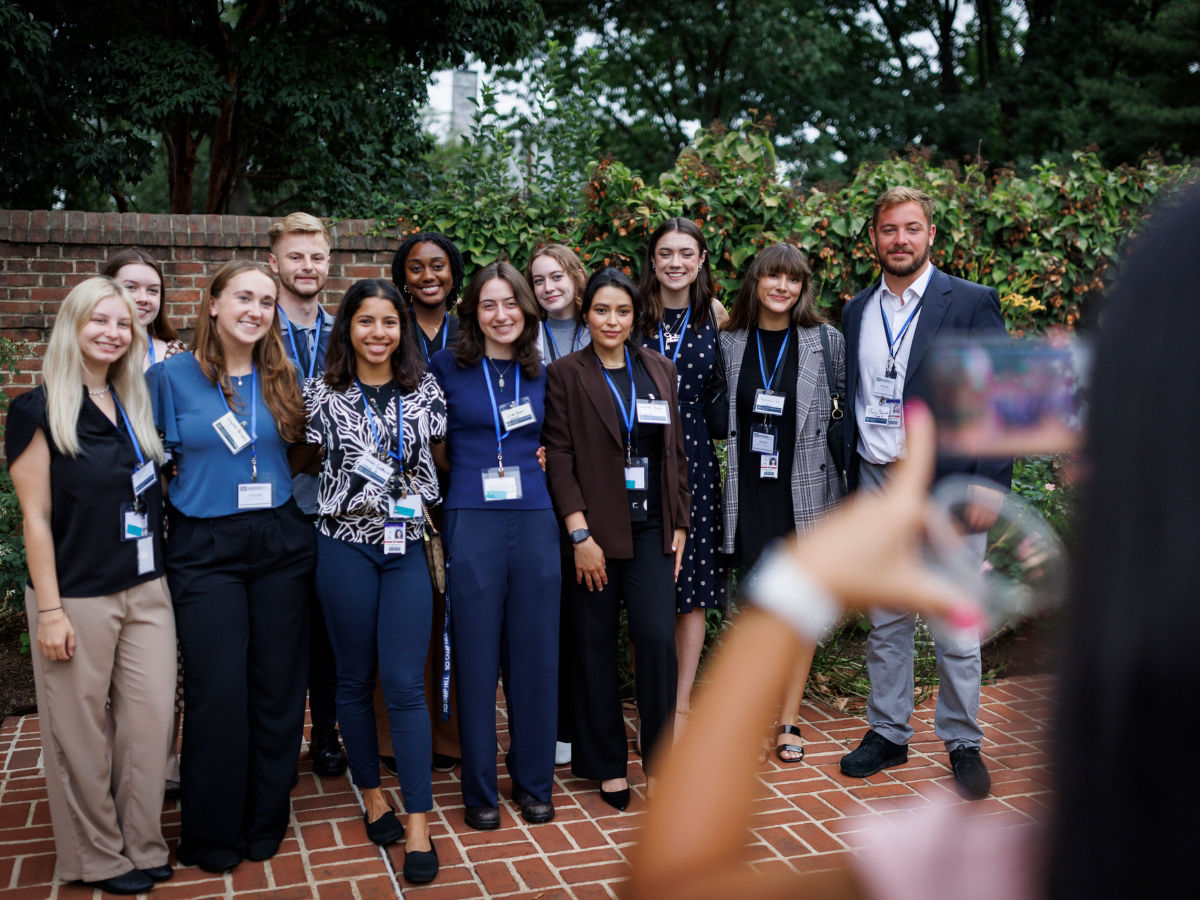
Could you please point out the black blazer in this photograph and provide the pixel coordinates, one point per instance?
(950, 305)
(585, 459)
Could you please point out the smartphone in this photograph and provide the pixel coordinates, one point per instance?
(1003, 397)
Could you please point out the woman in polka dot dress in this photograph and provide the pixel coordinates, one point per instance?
(680, 321)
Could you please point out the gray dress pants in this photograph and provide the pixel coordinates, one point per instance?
(890, 665)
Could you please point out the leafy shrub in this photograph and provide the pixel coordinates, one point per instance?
(12, 541)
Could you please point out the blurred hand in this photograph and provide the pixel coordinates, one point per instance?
(55, 636)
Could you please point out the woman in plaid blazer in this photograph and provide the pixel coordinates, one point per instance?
(780, 475)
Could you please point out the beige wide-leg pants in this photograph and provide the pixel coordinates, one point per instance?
(106, 795)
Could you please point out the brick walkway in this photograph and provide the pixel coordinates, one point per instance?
(809, 814)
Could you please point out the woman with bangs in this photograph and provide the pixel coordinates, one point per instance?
(557, 279)
(83, 454)
(680, 318)
(780, 474)
(140, 274)
(239, 555)
(502, 535)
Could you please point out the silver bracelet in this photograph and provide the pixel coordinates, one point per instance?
(780, 586)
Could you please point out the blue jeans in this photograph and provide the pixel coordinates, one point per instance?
(379, 609)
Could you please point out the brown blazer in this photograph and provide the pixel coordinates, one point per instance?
(585, 459)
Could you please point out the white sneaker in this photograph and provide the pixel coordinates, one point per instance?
(562, 753)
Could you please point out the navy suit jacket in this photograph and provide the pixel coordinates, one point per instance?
(950, 306)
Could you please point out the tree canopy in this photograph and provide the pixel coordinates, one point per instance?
(253, 103)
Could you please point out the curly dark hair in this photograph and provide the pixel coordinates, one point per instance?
(458, 268)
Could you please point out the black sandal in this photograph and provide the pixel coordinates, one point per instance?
(780, 749)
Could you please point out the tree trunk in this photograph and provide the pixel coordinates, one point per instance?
(181, 162)
(223, 170)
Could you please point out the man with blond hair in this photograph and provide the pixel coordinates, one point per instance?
(889, 328)
(300, 250)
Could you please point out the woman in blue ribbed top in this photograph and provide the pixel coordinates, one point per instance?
(503, 571)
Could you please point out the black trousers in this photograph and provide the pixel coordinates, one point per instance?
(322, 666)
(239, 585)
(645, 585)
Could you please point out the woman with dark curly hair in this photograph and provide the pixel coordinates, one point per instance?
(428, 270)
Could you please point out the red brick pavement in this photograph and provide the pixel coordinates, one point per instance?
(808, 815)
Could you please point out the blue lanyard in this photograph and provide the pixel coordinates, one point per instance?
(150, 350)
(128, 429)
(253, 419)
(895, 343)
(627, 414)
(394, 454)
(762, 366)
(312, 362)
(662, 341)
(554, 343)
(425, 341)
(501, 434)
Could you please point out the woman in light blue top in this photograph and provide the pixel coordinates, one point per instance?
(239, 555)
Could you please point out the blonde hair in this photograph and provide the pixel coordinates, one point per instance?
(897, 196)
(62, 369)
(298, 223)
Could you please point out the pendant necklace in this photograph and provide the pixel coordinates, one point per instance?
(500, 382)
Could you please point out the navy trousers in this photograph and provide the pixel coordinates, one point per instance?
(503, 586)
(378, 608)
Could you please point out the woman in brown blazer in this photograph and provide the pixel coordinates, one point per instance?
(618, 477)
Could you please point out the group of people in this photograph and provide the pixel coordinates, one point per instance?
(290, 477)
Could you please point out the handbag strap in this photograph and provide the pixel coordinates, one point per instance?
(424, 506)
(834, 396)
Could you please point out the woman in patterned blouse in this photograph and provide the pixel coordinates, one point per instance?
(374, 413)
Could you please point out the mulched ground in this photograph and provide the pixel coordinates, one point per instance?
(16, 672)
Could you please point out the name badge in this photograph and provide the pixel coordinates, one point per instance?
(394, 538)
(635, 474)
(502, 487)
(254, 495)
(373, 469)
(768, 465)
(886, 414)
(409, 507)
(654, 412)
(145, 554)
(886, 387)
(135, 524)
(769, 403)
(517, 414)
(231, 432)
(762, 439)
(143, 477)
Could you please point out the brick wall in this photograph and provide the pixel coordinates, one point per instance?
(44, 253)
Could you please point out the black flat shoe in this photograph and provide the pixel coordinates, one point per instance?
(444, 762)
(387, 829)
(421, 866)
(618, 800)
(159, 873)
(533, 810)
(214, 861)
(328, 757)
(135, 881)
(482, 818)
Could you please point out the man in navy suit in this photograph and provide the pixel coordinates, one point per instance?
(889, 328)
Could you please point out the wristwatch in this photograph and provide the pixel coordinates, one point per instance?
(579, 535)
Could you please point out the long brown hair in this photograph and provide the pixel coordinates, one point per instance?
(470, 336)
(565, 257)
(280, 387)
(341, 365)
(700, 292)
(778, 259)
(160, 326)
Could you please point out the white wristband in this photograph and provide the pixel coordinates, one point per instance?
(780, 586)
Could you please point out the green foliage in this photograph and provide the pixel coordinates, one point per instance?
(12, 541)
(1045, 483)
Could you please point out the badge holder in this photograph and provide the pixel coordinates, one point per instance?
(135, 526)
(768, 466)
(232, 433)
(373, 469)
(394, 538)
(763, 438)
(252, 495)
(502, 484)
(636, 471)
(653, 412)
(517, 414)
(769, 403)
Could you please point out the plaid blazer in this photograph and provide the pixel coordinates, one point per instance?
(816, 487)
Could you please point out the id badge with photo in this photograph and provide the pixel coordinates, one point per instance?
(769, 403)
(135, 523)
(373, 469)
(143, 477)
(517, 414)
(768, 465)
(409, 507)
(254, 495)
(502, 487)
(231, 432)
(394, 541)
(653, 412)
(762, 439)
(888, 414)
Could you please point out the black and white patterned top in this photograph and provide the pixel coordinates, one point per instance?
(349, 506)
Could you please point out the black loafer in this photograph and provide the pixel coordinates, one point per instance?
(872, 755)
(618, 800)
(482, 818)
(421, 866)
(444, 762)
(387, 829)
(328, 757)
(159, 873)
(970, 774)
(213, 861)
(135, 881)
(533, 810)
